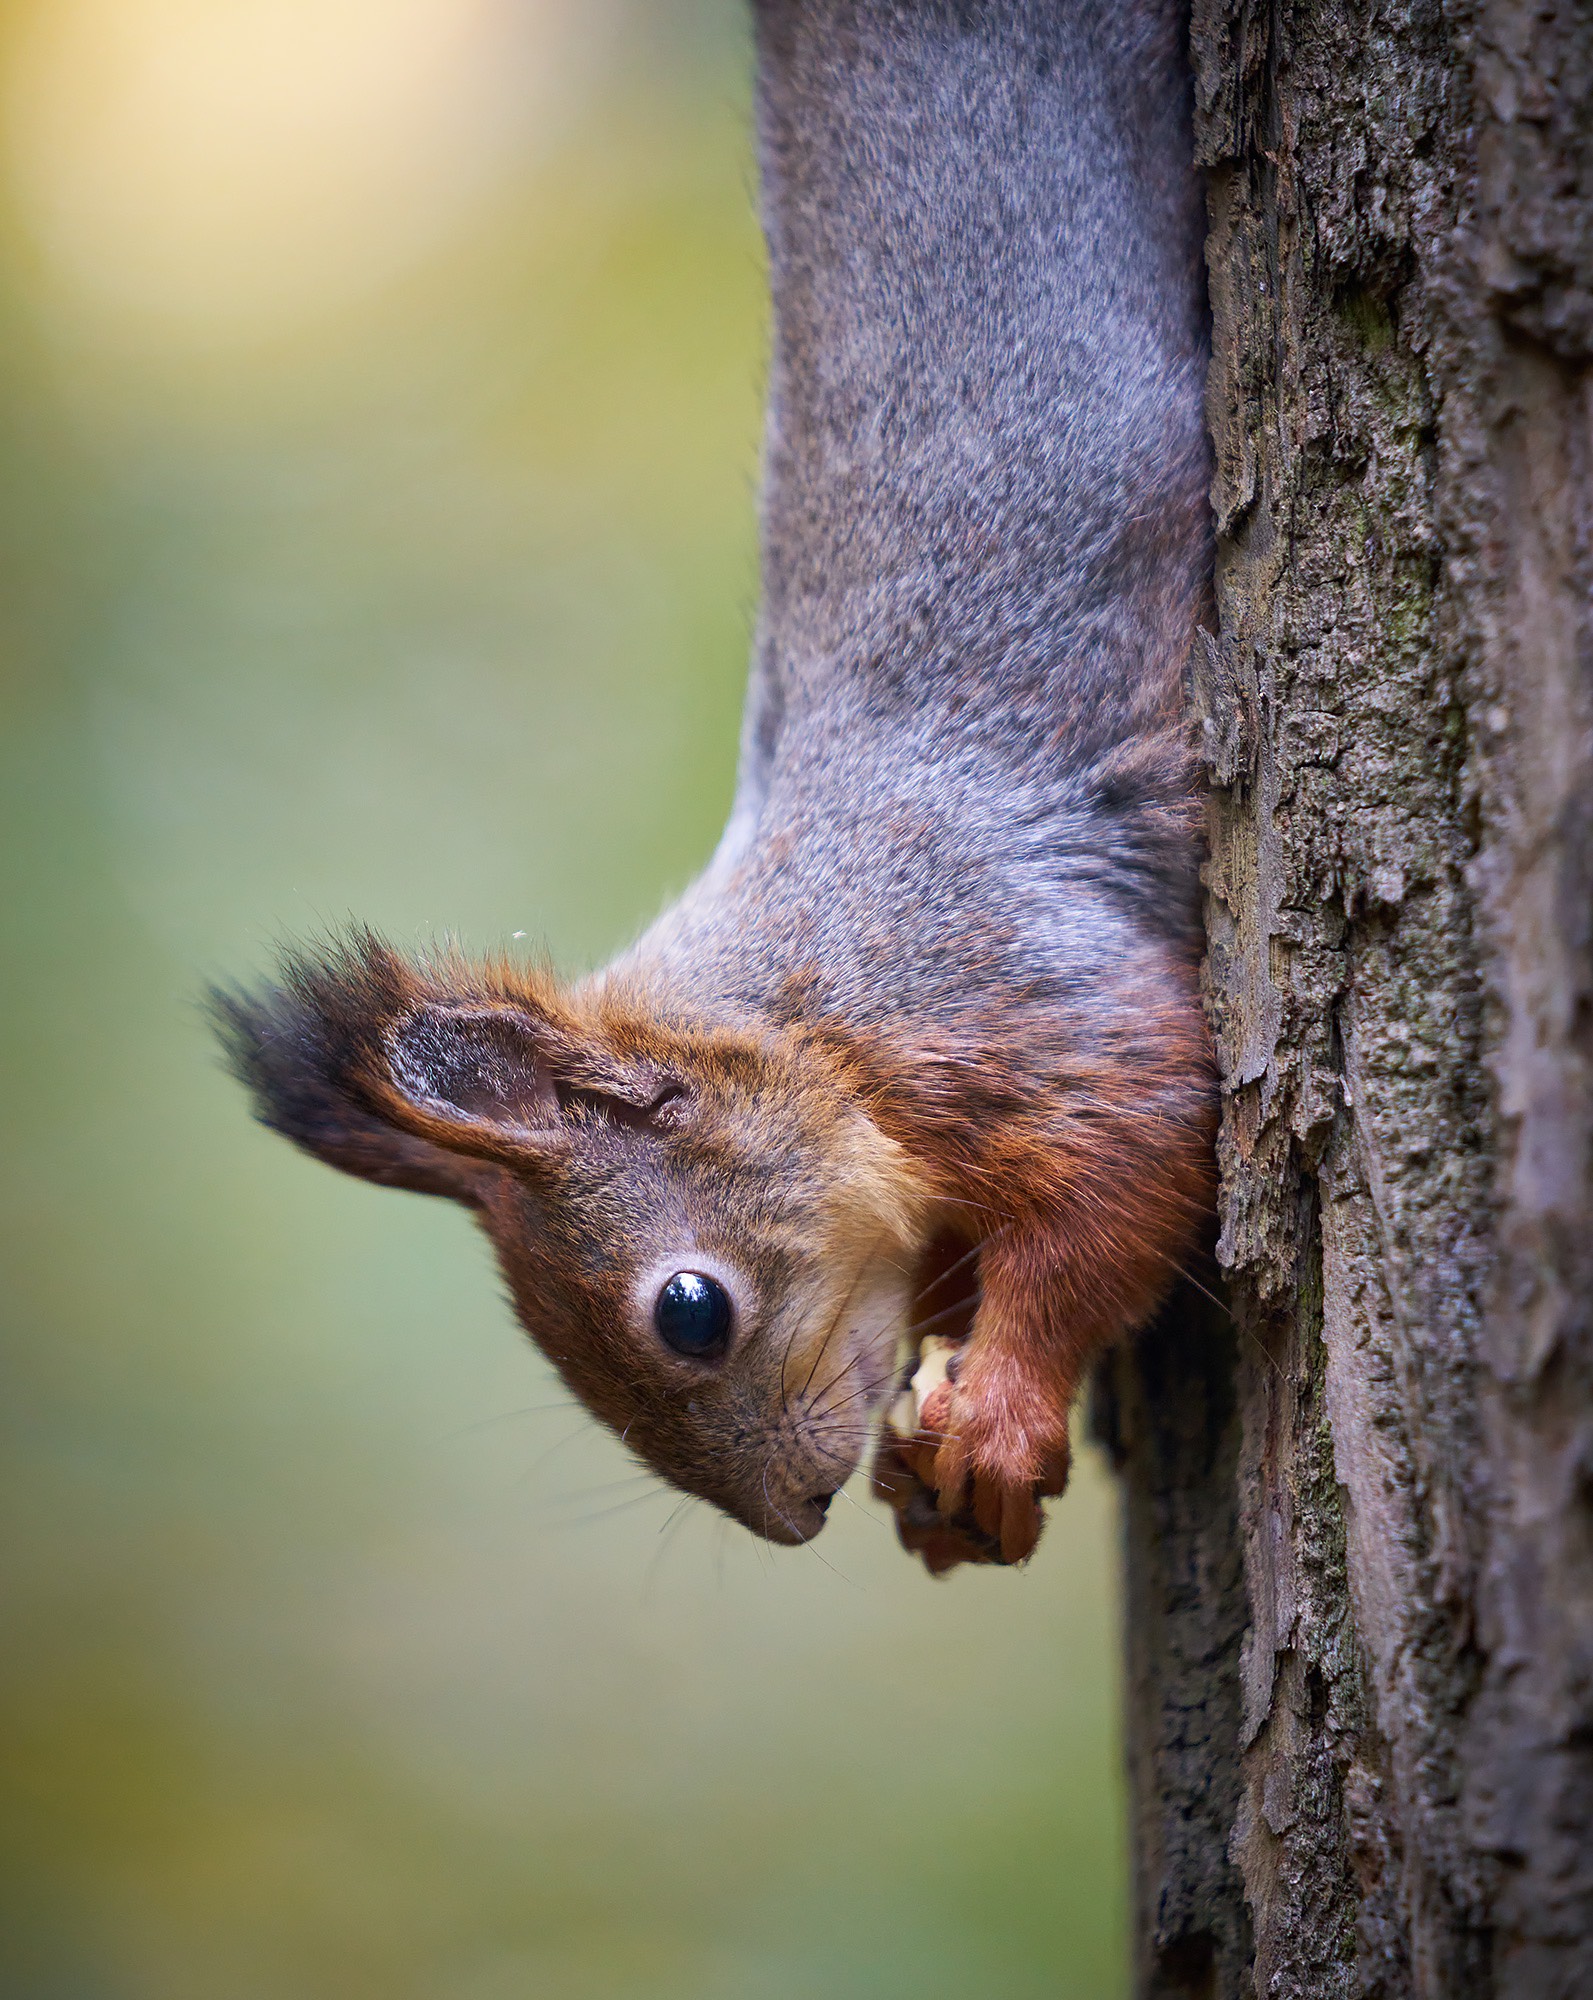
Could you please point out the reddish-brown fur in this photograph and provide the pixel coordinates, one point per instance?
(1085, 1206)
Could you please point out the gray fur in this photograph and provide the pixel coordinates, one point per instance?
(985, 537)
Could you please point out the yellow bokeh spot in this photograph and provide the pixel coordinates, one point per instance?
(225, 169)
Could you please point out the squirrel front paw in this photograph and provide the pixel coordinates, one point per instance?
(1000, 1452)
(964, 1480)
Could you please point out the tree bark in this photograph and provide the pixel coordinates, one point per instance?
(1387, 1788)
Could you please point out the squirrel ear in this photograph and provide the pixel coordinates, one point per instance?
(414, 1076)
(497, 1079)
(483, 1073)
(365, 1061)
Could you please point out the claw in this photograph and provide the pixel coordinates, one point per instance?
(1001, 1526)
(950, 1476)
(952, 1504)
(1021, 1522)
(989, 1505)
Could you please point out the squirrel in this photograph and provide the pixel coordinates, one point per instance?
(918, 1065)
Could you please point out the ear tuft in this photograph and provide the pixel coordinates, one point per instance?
(305, 1047)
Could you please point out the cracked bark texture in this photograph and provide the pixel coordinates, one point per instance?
(1165, 1408)
(1387, 1788)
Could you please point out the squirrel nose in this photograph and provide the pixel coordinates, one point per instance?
(821, 1500)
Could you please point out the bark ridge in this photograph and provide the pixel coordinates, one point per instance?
(1397, 719)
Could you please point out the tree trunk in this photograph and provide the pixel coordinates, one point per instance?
(1385, 1787)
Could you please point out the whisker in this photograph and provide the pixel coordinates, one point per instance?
(868, 1389)
(950, 1271)
(678, 1517)
(919, 1326)
(984, 1208)
(607, 1513)
(546, 1457)
(817, 1358)
(843, 1458)
(1189, 1279)
(829, 1331)
(921, 1434)
(819, 1408)
(875, 1520)
(836, 1380)
(785, 1407)
(507, 1417)
(1227, 1312)
(606, 1486)
(805, 1540)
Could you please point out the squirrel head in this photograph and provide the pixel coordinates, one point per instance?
(700, 1225)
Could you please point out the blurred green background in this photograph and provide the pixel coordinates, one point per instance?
(378, 439)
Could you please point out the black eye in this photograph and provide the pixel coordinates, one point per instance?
(692, 1314)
